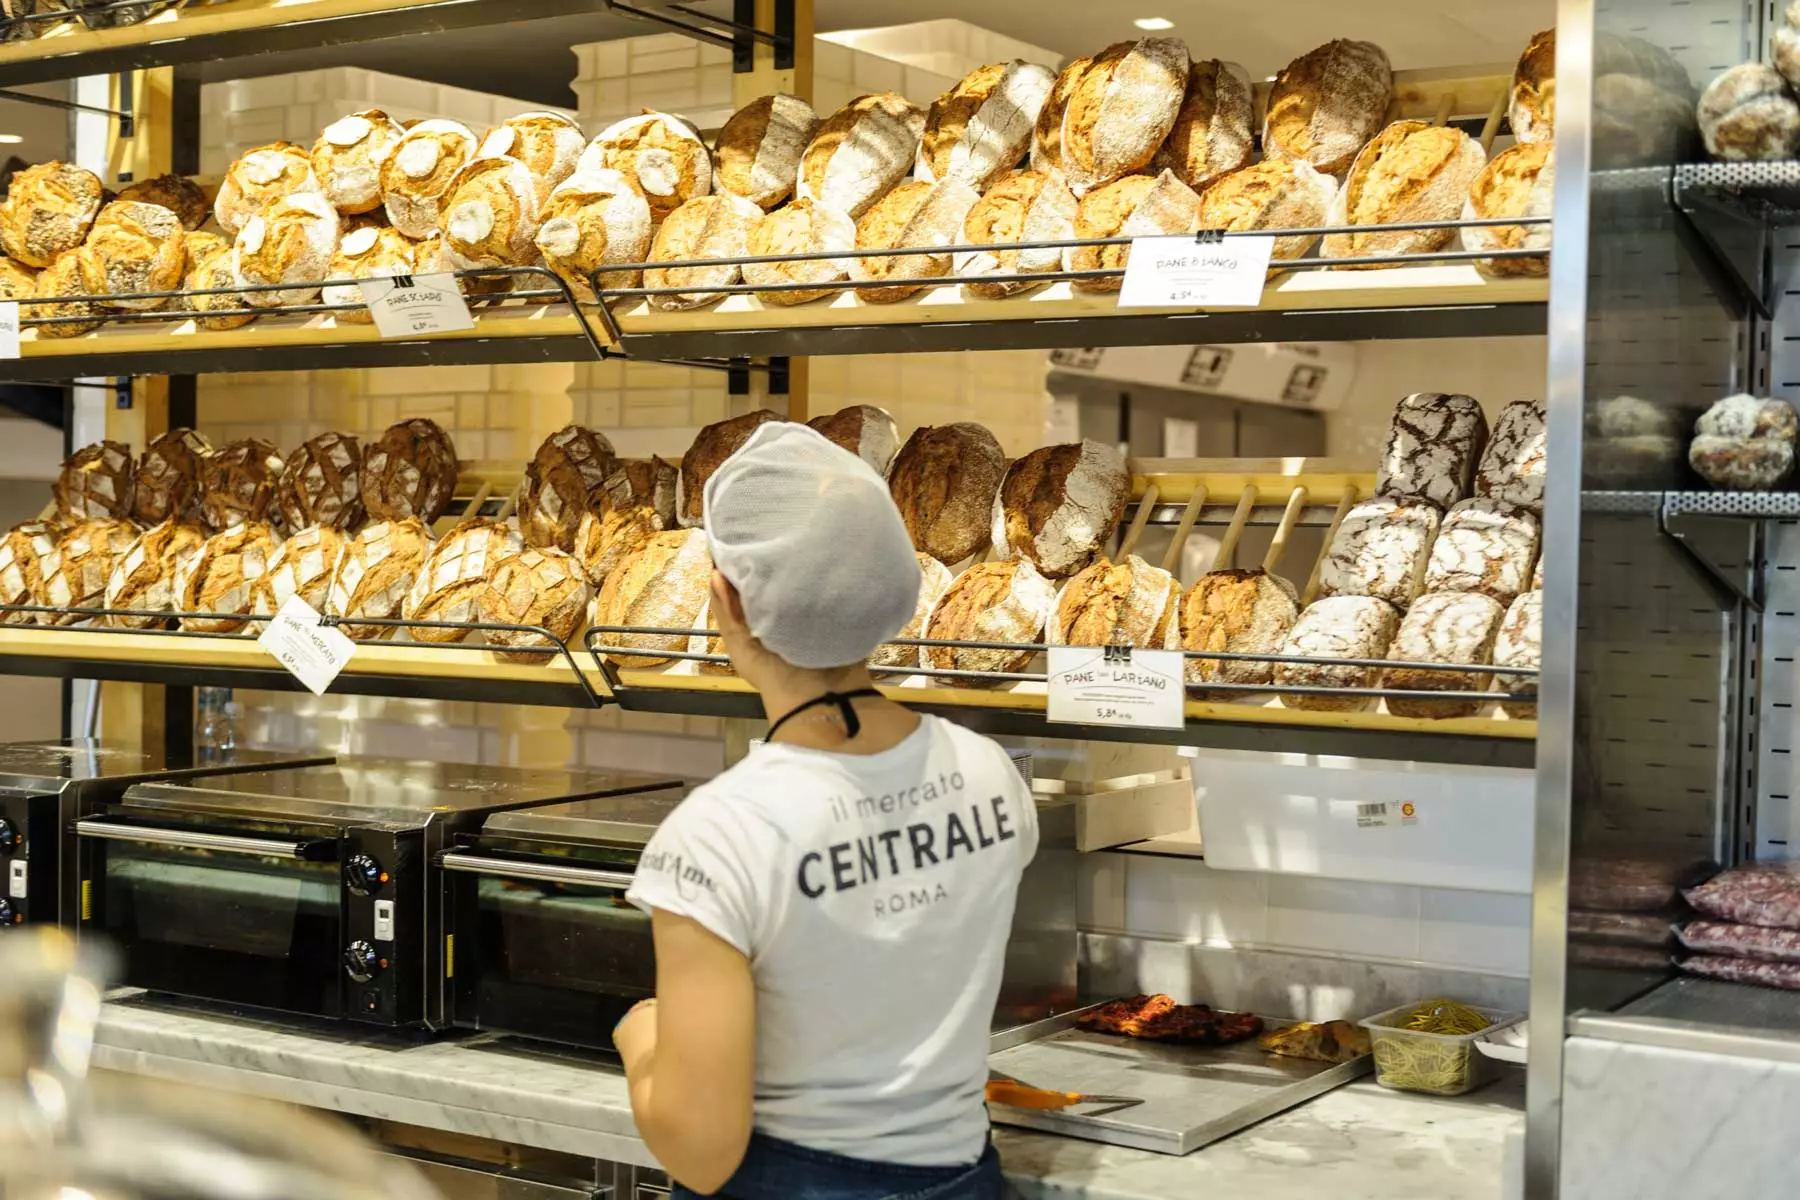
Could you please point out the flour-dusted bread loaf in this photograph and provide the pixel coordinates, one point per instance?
(1520, 643)
(944, 481)
(1128, 603)
(602, 542)
(143, 577)
(73, 273)
(1513, 466)
(712, 446)
(1517, 182)
(1272, 194)
(77, 577)
(489, 217)
(197, 246)
(410, 471)
(321, 484)
(1213, 133)
(803, 227)
(707, 227)
(1121, 109)
(1484, 546)
(290, 243)
(1411, 172)
(1025, 206)
(1380, 550)
(237, 483)
(259, 178)
(219, 578)
(417, 176)
(366, 252)
(934, 581)
(448, 586)
(1327, 104)
(305, 566)
(217, 270)
(758, 155)
(1060, 505)
(865, 431)
(981, 128)
(549, 144)
(142, 248)
(990, 602)
(16, 281)
(861, 152)
(1445, 627)
(1433, 447)
(644, 483)
(663, 155)
(431, 255)
(1236, 611)
(915, 214)
(348, 157)
(375, 573)
(661, 585)
(1047, 133)
(538, 586)
(95, 481)
(49, 208)
(1748, 114)
(1336, 627)
(594, 220)
(177, 193)
(166, 483)
(26, 551)
(564, 480)
(1136, 206)
(1531, 103)
(1744, 443)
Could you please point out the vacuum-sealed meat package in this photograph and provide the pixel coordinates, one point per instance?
(1742, 941)
(1745, 970)
(1754, 894)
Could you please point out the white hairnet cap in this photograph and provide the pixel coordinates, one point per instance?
(809, 536)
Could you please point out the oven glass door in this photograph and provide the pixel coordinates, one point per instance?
(240, 917)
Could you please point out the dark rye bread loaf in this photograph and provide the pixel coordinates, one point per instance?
(712, 446)
(944, 482)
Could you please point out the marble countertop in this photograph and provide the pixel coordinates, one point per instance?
(1359, 1141)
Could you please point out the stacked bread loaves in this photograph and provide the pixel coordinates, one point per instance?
(449, 586)
(143, 577)
(661, 585)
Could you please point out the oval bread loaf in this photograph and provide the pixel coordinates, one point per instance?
(990, 602)
(1520, 181)
(934, 581)
(1026, 206)
(141, 248)
(548, 143)
(1213, 132)
(537, 586)
(321, 483)
(913, 214)
(1412, 172)
(348, 157)
(416, 178)
(449, 586)
(802, 227)
(95, 481)
(944, 482)
(1327, 104)
(868, 432)
(1531, 101)
(644, 483)
(759, 149)
(1513, 466)
(982, 127)
(259, 178)
(166, 483)
(1136, 206)
(366, 252)
(290, 243)
(1433, 447)
(662, 155)
(1059, 505)
(1336, 627)
(26, 551)
(1380, 550)
(712, 446)
(1121, 110)
(593, 220)
(375, 573)
(1271, 195)
(861, 152)
(1235, 611)
(78, 575)
(1129, 603)
(219, 577)
(1047, 133)
(77, 272)
(1449, 627)
(304, 566)
(177, 193)
(489, 217)
(410, 471)
(564, 480)
(49, 209)
(662, 585)
(237, 482)
(708, 227)
(144, 576)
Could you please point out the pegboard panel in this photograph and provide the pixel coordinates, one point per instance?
(1775, 819)
(1705, 36)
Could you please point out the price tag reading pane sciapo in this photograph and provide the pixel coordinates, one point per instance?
(1185, 272)
(1116, 685)
(312, 653)
(410, 305)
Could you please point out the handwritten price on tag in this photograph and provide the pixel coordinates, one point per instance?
(1204, 271)
(410, 305)
(1117, 685)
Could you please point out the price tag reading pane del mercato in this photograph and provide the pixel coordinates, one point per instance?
(313, 653)
(1182, 272)
(410, 305)
(1116, 685)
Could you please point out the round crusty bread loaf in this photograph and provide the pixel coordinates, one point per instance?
(217, 270)
(981, 128)
(1128, 603)
(321, 484)
(537, 586)
(25, 552)
(1213, 133)
(661, 585)
(1136, 206)
(548, 143)
(410, 471)
(644, 483)
(95, 481)
(759, 149)
(143, 577)
(865, 431)
(304, 567)
(449, 586)
(259, 178)
(1121, 109)
(602, 542)
(990, 602)
(861, 152)
(374, 574)
(49, 208)
(1026, 206)
(1059, 505)
(1271, 195)
(1238, 611)
(290, 242)
(1531, 102)
(366, 252)
(1748, 114)
(198, 245)
(563, 480)
(490, 214)
(416, 177)
(237, 482)
(663, 155)
(712, 446)
(707, 227)
(593, 220)
(1519, 182)
(77, 577)
(913, 214)
(1327, 104)
(934, 581)
(166, 484)
(142, 248)
(77, 272)
(944, 481)
(16, 281)
(177, 193)
(1412, 172)
(219, 577)
(1047, 133)
(803, 227)
(348, 156)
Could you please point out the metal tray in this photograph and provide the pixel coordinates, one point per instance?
(1192, 1095)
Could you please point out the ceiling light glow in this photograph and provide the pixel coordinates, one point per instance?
(1154, 24)
(10, 139)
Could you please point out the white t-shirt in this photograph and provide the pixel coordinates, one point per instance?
(873, 895)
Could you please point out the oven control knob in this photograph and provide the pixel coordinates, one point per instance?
(360, 961)
(362, 874)
(9, 836)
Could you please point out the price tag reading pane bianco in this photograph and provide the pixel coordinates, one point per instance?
(409, 305)
(1182, 272)
(312, 653)
(1116, 685)
(9, 329)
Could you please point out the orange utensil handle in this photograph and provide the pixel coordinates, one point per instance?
(1018, 1095)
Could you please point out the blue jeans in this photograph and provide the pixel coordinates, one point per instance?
(776, 1170)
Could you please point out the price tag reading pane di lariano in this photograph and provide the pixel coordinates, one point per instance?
(9, 329)
(1116, 685)
(313, 653)
(410, 305)
(1188, 272)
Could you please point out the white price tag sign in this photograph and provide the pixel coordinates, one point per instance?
(312, 653)
(409, 305)
(9, 329)
(1116, 685)
(1182, 272)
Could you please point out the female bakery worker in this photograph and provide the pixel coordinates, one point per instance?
(831, 913)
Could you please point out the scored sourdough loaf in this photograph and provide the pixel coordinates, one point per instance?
(237, 482)
(1025, 206)
(1047, 133)
(712, 446)
(449, 586)
(77, 576)
(1235, 611)
(594, 220)
(289, 243)
(663, 584)
(803, 227)
(1380, 550)
(1136, 206)
(95, 481)
(861, 152)
(348, 157)
(868, 432)
(603, 541)
(489, 216)
(549, 145)
(1213, 133)
(1518, 182)
(1412, 172)
(1129, 603)
(320, 484)
(982, 127)
(915, 214)
(1121, 109)
(1483, 546)
(759, 149)
(142, 248)
(1327, 104)
(177, 193)
(563, 480)
(1271, 194)
(26, 551)
(990, 602)
(166, 483)
(1520, 644)
(944, 482)
(1336, 627)
(374, 574)
(644, 483)
(144, 576)
(934, 581)
(418, 174)
(1432, 448)
(1513, 466)
(662, 155)
(1059, 505)
(539, 586)
(259, 178)
(218, 577)
(49, 209)
(410, 471)
(366, 252)
(304, 566)
(1446, 627)
(77, 272)
(707, 227)
(1531, 101)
